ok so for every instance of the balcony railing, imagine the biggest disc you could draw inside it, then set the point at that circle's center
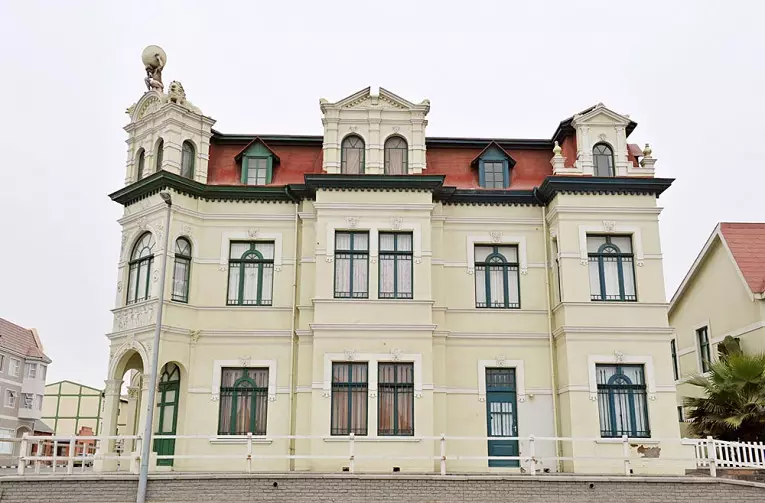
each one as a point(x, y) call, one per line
point(62, 454)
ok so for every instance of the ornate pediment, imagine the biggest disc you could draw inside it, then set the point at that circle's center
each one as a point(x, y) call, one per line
point(600, 114)
point(365, 99)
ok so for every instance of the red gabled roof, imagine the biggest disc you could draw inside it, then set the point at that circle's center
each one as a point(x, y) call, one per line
point(498, 147)
point(20, 340)
point(254, 141)
point(746, 242)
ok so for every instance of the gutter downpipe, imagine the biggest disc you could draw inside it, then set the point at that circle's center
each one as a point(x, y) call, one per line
point(293, 339)
point(550, 338)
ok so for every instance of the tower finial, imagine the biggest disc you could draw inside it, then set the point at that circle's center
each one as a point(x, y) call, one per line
point(154, 60)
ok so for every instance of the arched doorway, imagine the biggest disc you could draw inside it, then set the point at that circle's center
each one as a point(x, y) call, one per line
point(167, 410)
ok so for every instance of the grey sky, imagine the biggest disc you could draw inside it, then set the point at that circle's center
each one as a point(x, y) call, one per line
point(689, 73)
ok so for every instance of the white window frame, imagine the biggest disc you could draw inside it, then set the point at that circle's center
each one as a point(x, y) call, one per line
point(43, 372)
point(23, 403)
point(14, 367)
point(30, 370)
point(497, 239)
point(250, 235)
point(2, 363)
point(621, 359)
point(501, 362)
point(11, 398)
point(611, 228)
point(6, 447)
point(218, 366)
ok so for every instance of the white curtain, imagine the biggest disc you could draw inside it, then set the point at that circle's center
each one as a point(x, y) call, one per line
point(387, 267)
point(480, 286)
point(594, 279)
point(360, 275)
point(233, 284)
point(267, 286)
point(512, 287)
point(405, 276)
point(629, 277)
point(497, 285)
point(501, 419)
point(611, 274)
point(250, 293)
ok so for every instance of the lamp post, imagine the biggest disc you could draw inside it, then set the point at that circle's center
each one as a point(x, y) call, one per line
point(146, 443)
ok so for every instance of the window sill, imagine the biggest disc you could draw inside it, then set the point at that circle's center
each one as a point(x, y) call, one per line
point(631, 441)
point(238, 440)
point(372, 439)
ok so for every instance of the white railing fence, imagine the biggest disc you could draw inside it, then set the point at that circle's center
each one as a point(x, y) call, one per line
point(713, 454)
point(73, 454)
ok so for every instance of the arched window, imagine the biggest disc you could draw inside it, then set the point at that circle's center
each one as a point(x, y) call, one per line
point(603, 159)
point(250, 273)
point(159, 152)
point(181, 270)
point(622, 401)
point(140, 269)
point(612, 275)
point(187, 160)
point(396, 156)
point(496, 277)
point(352, 156)
point(167, 409)
point(141, 162)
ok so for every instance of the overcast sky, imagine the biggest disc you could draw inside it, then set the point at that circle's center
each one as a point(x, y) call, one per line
point(690, 74)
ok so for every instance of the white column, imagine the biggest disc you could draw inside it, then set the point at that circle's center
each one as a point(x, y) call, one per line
point(109, 425)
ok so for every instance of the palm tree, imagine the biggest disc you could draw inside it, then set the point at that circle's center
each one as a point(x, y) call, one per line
point(733, 405)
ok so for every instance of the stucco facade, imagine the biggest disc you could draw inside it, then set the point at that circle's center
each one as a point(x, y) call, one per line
point(720, 296)
point(547, 333)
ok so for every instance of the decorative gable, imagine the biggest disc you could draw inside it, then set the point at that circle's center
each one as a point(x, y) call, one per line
point(494, 165)
point(374, 118)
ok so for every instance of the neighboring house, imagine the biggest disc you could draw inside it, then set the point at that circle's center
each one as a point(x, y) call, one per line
point(378, 281)
point(69, 406)
point(722, 294)
point(23, 368)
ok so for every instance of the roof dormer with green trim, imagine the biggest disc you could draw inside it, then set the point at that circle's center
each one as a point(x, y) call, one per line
point(257, 162)
point(494, 165)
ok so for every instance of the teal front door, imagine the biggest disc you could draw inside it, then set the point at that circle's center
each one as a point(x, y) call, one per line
point(167, 405)
point(501, 415)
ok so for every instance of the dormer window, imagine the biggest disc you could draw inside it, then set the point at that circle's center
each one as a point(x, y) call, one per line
point(396, 156)
point(352, 156)
point(257, 163)
point(494, 165)
point(603, 159)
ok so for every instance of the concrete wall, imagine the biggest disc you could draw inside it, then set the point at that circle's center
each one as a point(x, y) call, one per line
point(388, 489)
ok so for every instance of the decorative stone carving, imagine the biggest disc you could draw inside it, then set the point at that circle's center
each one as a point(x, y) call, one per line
point(652, 396)
point(113, 387)
point(132, 392)
point(418, 394)
point(609, 225)
point(119, 286)
point(150, 105)
point(396, 129)
point(252, 233)
point(373, 260)
point(222, 268)
point(154, 60)
point(481, 398)
point(521, 398)
point(271, 398)
point(134, 317)
point(329, 259)
point(496, 236)
point(373, 394)
point(584, 261)
point(143, 222)
point(244, 361)
point(396, 223)
point(353, 129)
point(214, 397)
point(124, 242)
point(194, 336)
point(155, 275)
point(558, 162)
point(186, 230)
point(418, 260)
point(325, 394)
point(395, 354)
point(602, 137)
point(353, 222)
point(619, 356)
point(350, 354)
point(278, 268)
point(501, 360)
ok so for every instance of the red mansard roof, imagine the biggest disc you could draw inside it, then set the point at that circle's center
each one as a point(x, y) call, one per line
point(20, 340)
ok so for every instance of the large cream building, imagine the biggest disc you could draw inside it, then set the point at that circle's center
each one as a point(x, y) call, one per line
point(381, 282)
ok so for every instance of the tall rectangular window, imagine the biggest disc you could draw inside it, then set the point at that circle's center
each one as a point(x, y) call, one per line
point(257, 171)
point(26, 400)
point(30, 370)
point(622, 401)
point(10, 398)
point(349, 398)
point(702, 335)
point(15, 367)
point(675, 365)
point(395, 393)
point(250, 273)
point(351, 265)
point(2, 362)
point(497, 284)
point(612, 272)
point(396, 275)
point(243, 401)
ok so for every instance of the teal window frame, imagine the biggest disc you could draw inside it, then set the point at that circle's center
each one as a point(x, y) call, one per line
point(705, 353)
point(349, 385)
point(246, 168)
point(399, 390)
point(362, 148)
point(244, 388)
point(675, 363)
point(397, 257)
point(493, 261)
point(188, 159)
point(138, 262)
point(355, 256)
point(608, 156)
point(505, 170)
point(611, 252)
point(619, 389)
point(251, 257)
point(182, 261)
